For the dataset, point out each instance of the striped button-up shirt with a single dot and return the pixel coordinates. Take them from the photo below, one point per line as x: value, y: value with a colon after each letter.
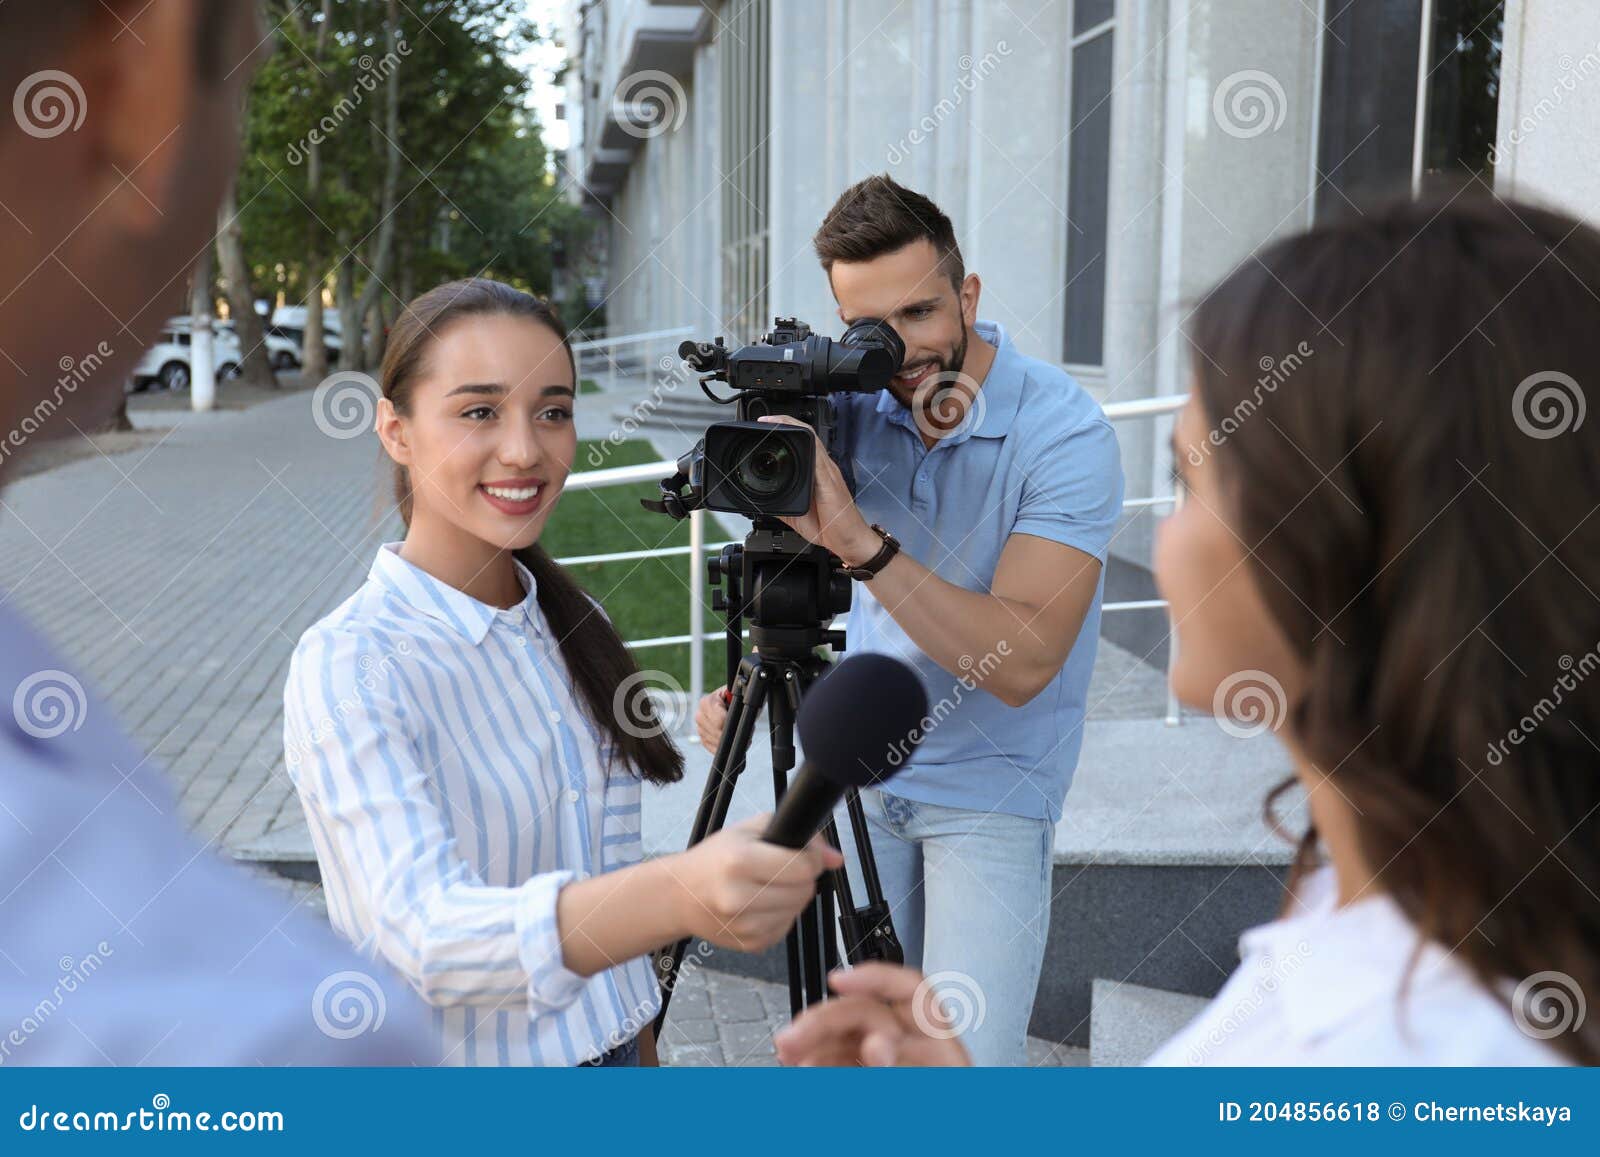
x: 453, y: 785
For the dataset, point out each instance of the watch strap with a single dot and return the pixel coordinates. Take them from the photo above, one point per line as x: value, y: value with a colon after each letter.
x: 890, y: 548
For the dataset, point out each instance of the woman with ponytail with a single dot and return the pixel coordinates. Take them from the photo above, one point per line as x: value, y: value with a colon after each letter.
x: 462, y: 737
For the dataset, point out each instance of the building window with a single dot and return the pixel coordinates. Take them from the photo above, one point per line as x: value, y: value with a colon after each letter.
x: 1463, y: 104
x: 1089, y: 79
x: 1371, y: 141
x: 744, y: 38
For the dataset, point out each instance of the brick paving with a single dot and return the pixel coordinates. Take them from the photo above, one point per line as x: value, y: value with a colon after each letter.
x: 716, y: 1018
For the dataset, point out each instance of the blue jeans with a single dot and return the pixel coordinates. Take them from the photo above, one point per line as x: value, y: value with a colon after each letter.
x: 625, y: 1055
x: 969, y: 893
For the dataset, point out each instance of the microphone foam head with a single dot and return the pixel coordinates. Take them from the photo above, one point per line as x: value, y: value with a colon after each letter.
x: 859, y: 723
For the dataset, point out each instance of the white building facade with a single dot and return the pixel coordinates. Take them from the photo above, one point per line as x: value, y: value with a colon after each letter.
x: 1104, y: 161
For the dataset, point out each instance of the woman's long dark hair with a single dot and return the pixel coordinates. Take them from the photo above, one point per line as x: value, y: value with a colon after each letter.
x: 1420, y: 496
x: 601, y: 666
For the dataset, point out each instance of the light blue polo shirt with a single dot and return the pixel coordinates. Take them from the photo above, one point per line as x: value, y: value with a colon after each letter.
x: 1037, y: 457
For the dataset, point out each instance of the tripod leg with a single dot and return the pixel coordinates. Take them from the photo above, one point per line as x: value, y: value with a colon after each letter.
x: 875, y: 938
x: 749, y: 693
x: 812, y: 925
x: 839, y: 898
x: 756, y: 691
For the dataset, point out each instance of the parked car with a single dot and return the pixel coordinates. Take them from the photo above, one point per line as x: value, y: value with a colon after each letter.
x: 282, y: 351
x: 289, y: 322
x: 167, y: 362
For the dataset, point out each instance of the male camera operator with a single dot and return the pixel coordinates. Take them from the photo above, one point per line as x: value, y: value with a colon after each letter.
x: 988, y: 484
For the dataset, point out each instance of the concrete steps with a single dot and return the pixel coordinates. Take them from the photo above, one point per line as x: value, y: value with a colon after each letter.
x: 1131, y: 1021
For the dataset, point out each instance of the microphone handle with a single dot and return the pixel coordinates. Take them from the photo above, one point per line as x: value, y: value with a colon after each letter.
x: 805, y: 807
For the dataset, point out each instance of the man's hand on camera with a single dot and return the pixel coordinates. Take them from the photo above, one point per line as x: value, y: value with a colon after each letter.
x: 833, y: 522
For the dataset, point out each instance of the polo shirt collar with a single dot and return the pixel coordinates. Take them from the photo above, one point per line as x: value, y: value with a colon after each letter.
x: 437, y: 599
x: 1001, y: 393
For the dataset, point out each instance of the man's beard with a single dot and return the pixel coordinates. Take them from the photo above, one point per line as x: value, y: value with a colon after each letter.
x: 944, y: 375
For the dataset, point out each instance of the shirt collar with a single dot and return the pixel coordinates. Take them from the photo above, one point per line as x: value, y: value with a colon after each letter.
x: 1329, y: 964
x: 1000, y: 394
x: 438, y: 599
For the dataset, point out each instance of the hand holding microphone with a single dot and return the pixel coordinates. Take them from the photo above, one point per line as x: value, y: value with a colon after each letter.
x: 740, y: 891
x: 743, y: 887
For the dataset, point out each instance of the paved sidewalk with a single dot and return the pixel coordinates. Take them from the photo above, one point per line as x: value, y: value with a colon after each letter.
x: 178, y: 578
x: 717, y: 1018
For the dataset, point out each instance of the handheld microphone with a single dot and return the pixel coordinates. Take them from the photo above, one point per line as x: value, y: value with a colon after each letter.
x: 857, y: 726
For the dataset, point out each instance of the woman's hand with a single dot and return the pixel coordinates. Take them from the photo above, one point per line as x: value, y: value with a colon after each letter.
x: 884, y: 1015
x: 740, y: 892
x: 710, y: 717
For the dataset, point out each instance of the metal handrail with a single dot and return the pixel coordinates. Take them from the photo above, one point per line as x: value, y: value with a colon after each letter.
x: 633, y: 338
x: 698, y: 547
x: 610, y: 345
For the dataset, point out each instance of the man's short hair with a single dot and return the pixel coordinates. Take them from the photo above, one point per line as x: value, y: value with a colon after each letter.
x: 878, y: 216
x: 32, y: 32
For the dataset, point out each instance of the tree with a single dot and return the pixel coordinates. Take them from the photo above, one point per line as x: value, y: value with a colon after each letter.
x: 255, y: 368
x: 389, y: 150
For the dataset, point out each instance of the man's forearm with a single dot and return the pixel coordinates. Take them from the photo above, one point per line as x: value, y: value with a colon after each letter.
x: 958, y: 629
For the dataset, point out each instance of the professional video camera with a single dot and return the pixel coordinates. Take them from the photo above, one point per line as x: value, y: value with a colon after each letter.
x: 789, y: 590
x: 760, y: 470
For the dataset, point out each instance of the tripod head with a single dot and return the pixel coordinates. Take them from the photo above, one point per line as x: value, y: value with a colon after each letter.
x: 789, y: 590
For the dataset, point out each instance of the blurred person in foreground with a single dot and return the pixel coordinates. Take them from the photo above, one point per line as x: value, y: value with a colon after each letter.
x: 123, y: 941
x: 1392, y: 556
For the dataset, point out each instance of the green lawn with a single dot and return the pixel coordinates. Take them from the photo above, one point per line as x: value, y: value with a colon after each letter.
x: 645, y: 598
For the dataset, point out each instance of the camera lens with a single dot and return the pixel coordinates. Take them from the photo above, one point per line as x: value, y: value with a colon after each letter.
x: 766, y: 466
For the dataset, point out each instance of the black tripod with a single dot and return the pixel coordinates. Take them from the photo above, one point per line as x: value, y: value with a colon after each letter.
x: 793, y: 587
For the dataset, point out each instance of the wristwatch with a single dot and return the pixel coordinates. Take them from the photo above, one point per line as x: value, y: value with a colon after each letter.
x: 890, y: 548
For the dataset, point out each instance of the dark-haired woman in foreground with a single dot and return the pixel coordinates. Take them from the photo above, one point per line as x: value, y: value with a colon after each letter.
x: 1399, y: 542
x: 465, y: 732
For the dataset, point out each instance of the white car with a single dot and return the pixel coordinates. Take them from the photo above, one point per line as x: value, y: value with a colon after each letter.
x: 289, y: 323
x: 167, y: 362
x: 283, y: 352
